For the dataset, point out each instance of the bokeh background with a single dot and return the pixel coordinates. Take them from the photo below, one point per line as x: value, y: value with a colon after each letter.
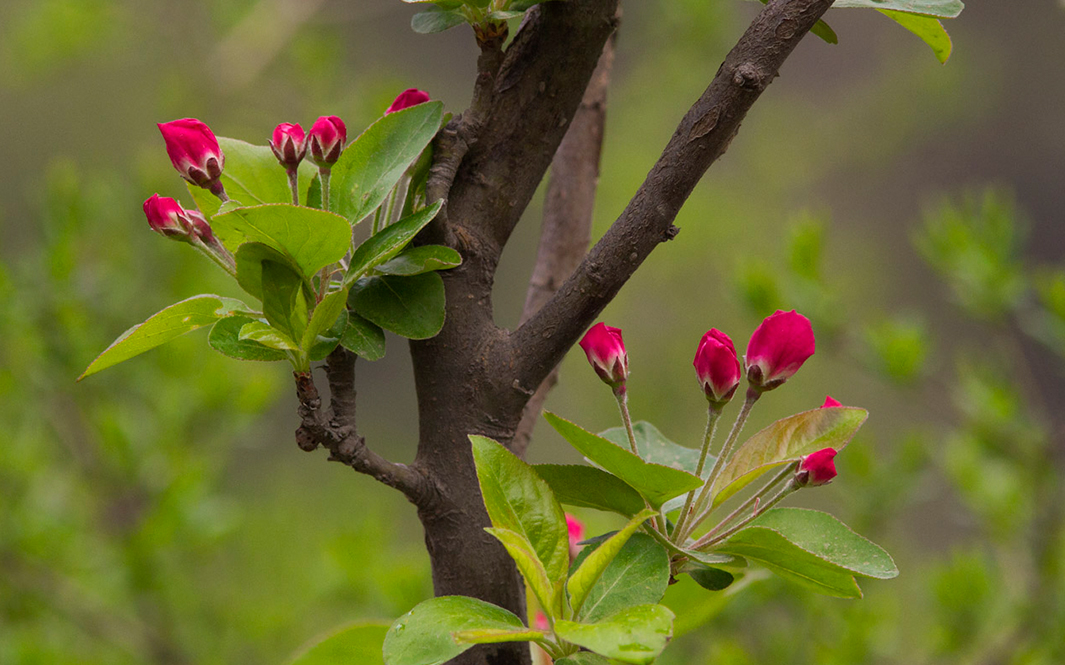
x: 160, y: 513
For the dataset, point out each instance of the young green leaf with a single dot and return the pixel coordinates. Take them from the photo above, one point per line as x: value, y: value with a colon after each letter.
x: 388, y: 242
x: 591, y: 568
x: 284, y: 299
x: 425, y: 635
x: 435, y: 20
x: 225, y: 338
x: 252, y: 176
x: 358, y: 643
x: 787, y: 440
x: 654, y: 482
x: 325, y: 316
x: 371, y: 166
x: 363, y: 338
x: 829, y: 539
x: 929, y: 29
x: 411, y: 307
x: 712, y: 579
x: 416, y: 260
x: 548, y: 592
x: 519, y: 500
x: 633, y: 635
x: 328, y: 339
x: 496, y: 635
x: 653, y: 446
x: 267, y: 335
x: 311, y: 239
x: 583, y: 658
x: 937, y: 8
x: 164, y: 326
x: 590, y: 487
x: 638, y: 575
x: 250, y: 257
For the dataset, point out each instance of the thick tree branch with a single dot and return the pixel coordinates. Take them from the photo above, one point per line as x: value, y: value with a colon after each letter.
x: 536, y: 92
x: 338, y: 434
x: 567, y: 223
x: 702, y: 136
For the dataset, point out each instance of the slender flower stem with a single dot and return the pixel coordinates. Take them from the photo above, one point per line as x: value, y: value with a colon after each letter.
x: 323, y: 175
x: 390, y: 210
x: 622, y: 397
x: 710, y: 540
x: 788, y: 470
x: 726, y: 450
x: 377, y: 214
x: 294, y: 185
x: 713, y: 414
x: 224, y: 261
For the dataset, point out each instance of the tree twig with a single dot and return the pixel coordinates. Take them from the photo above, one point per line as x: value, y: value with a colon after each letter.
x: 701, y: 138
x: 567, y: 223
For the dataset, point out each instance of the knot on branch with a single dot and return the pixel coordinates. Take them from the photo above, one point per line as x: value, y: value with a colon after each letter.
x: 749, y: 77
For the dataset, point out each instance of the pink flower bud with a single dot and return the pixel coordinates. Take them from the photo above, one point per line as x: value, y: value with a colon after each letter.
x: 289, y: 145
x: 778, y: 348
x: 606, y: 352
x: 817, y: 468
x: 194, y: 152
x: 576, y: 535
x: 326, y: 140
x: 541, y: 622
x: 408, y: 98
x: 167, y: 217
x: 717, y: 367
x: 829, y: 402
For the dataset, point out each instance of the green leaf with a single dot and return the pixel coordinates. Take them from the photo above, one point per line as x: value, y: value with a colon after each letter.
x: 519, y: 500
x: 928, y: 29
x: 653, y: 446
x: 583, y: 658
x: 364, y: 338
x: 265, y: 334
x: 588, y: 572
x: 496, y: 635
x: 937, y: 8
x: 435, y: 20
x: 424, y: 636
x: 639, y: 574
x: 411, y: 307
x: 388, y: 242
x: 829, y: 539
x: 775, y: 552
x: 328, y: 339
x: 548, y: 592
x: 416, y: 260
x: 358, y: 643
x: 251, y: 176
x: 225, y: 338
x: 249, y: 258
x: 704, y: 558
x: 284, y: 299
x: 634, y: 635
x: 325, y: 316
x: 787, y: 440
x: 712, y: 579
x: 504, y: 15
x: 590, y: 487
x: 654, y: 482
x: 371, y: 166
x: 311, y: 239
x: 160, y: 328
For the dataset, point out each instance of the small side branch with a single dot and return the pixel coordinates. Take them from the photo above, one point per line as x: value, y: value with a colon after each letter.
x: 567, y: 223
x: 338, y: 434
x: 701, y: 138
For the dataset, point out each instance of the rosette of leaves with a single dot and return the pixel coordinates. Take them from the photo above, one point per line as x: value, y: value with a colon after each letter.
x: 313, y: 286
x: 482, y: 14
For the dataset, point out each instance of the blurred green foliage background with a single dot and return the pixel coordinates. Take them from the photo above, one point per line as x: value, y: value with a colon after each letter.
x: 160, y: 513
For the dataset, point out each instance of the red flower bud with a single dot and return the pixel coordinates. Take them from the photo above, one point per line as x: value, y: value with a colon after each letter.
x: 408, y: 98
x: 326, y: 140
x: 576, y: 535
x: 606, y: 352
x: 194, y: 152
x: 817, y: 468
x: 540, y: 622
x: 289, y: 145
x: 778, y: 348
x: 829, y: 402
x: 167, y: 217
x: 717, y: 367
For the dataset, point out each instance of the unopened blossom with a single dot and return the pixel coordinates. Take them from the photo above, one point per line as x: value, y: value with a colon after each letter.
x: 289, y: 145
x: 606, y: 353
x: 194, y: 152
x: 326, y: 140
x: 576, y: 535
x: 167, y: 217
x: 817, y: 468
x: 717, y: 366
x: 408, y: 98
x: 778, y: 348
x: 830, y: 402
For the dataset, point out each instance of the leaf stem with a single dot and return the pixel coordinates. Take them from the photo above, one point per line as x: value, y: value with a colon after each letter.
x: 709, y: 540
x: 713, y: 414
x: 719, y: 464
